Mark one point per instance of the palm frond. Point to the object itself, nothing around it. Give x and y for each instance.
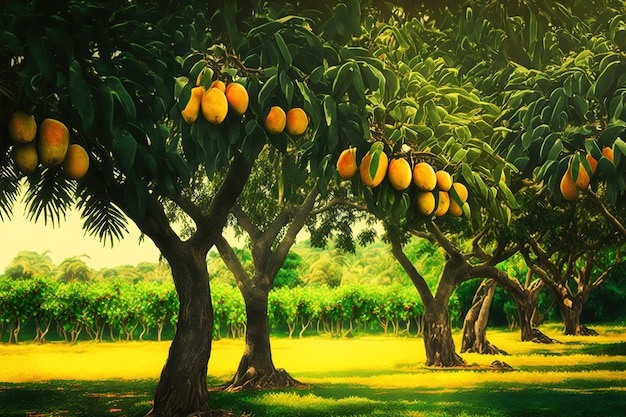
(9, 186)
(102, 218)
(49, 196)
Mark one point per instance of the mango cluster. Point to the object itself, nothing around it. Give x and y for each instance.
(215, 103)
(570, 187)
(433, 186)
(47, 144)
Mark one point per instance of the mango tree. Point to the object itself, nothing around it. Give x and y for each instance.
(433, 168)
(555, 72)
(563, 247)
(302, 74)
(103, 75)
(140, 96)
(566, 127)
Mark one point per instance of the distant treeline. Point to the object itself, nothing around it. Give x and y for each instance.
(44, 308)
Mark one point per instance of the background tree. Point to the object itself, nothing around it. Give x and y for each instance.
(566, 253)
(75, 269)
(271, 219)
(28, 264)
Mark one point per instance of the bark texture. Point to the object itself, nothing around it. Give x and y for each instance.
(526, 310)
(440, 350)
(182, 389)
(438, 342)
(474, 337)
(256, 370)
(571, 312)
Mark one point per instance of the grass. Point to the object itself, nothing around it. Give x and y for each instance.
(362, 376)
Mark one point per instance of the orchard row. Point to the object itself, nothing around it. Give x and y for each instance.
(116, 310)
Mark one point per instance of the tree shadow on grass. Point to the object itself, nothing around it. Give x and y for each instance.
(76, 398)
(600, 349)
(349, 400)
(496, 399)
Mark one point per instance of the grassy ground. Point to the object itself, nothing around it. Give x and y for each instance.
(362, 376)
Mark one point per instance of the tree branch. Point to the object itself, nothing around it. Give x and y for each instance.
(605, 211)
(211, 224)
(336, 201)
(302, 212)
(417, 278)
(233, 263)
(244, 221)
(442, 240)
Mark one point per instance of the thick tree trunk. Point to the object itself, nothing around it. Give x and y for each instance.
(475, 323)
(526, 310)
(256, 369)
(440, 350)
(182, 389)
(438, 342)
(570, 312)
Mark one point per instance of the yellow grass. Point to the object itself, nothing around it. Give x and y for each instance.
(376, 361)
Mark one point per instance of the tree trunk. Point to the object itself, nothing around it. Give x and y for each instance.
(256, 369)
(440, 350)
(438, 342)
(475, 323)
(182, 389)
(526, 310)
(570, 312)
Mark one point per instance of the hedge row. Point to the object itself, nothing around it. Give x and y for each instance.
(120, 310)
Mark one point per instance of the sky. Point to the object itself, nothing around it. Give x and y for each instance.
(68, 239)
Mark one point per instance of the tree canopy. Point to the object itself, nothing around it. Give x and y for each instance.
(501, 97)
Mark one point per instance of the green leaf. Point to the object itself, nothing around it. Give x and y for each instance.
(591, 146)
(374, 162)
(459, 155)
(318, 75)
(606, 80)
(357, 83)
(330, 110)
(105, 106)
(551, 147)
(284, 49)
(79, 95)
(433, 114)
(40, 53)
(481, 186)
(119, 93)
(267, 91)
(287, 86)
(508, 195)
(124, 150)
(620, 145)
(611, 133)
(179, 165)
(343, 80)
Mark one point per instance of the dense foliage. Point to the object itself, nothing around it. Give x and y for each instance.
(123, 310)
(126, 311)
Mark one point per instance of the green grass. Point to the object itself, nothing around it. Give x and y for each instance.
(363, 376)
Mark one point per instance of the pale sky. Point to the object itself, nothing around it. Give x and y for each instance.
(68, 240)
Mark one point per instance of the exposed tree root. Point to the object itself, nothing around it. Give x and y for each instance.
(586, 331)
(252, 380)
(537, 336)
(486, 349)
(501, 366)
(455, 362)
(494, 366)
